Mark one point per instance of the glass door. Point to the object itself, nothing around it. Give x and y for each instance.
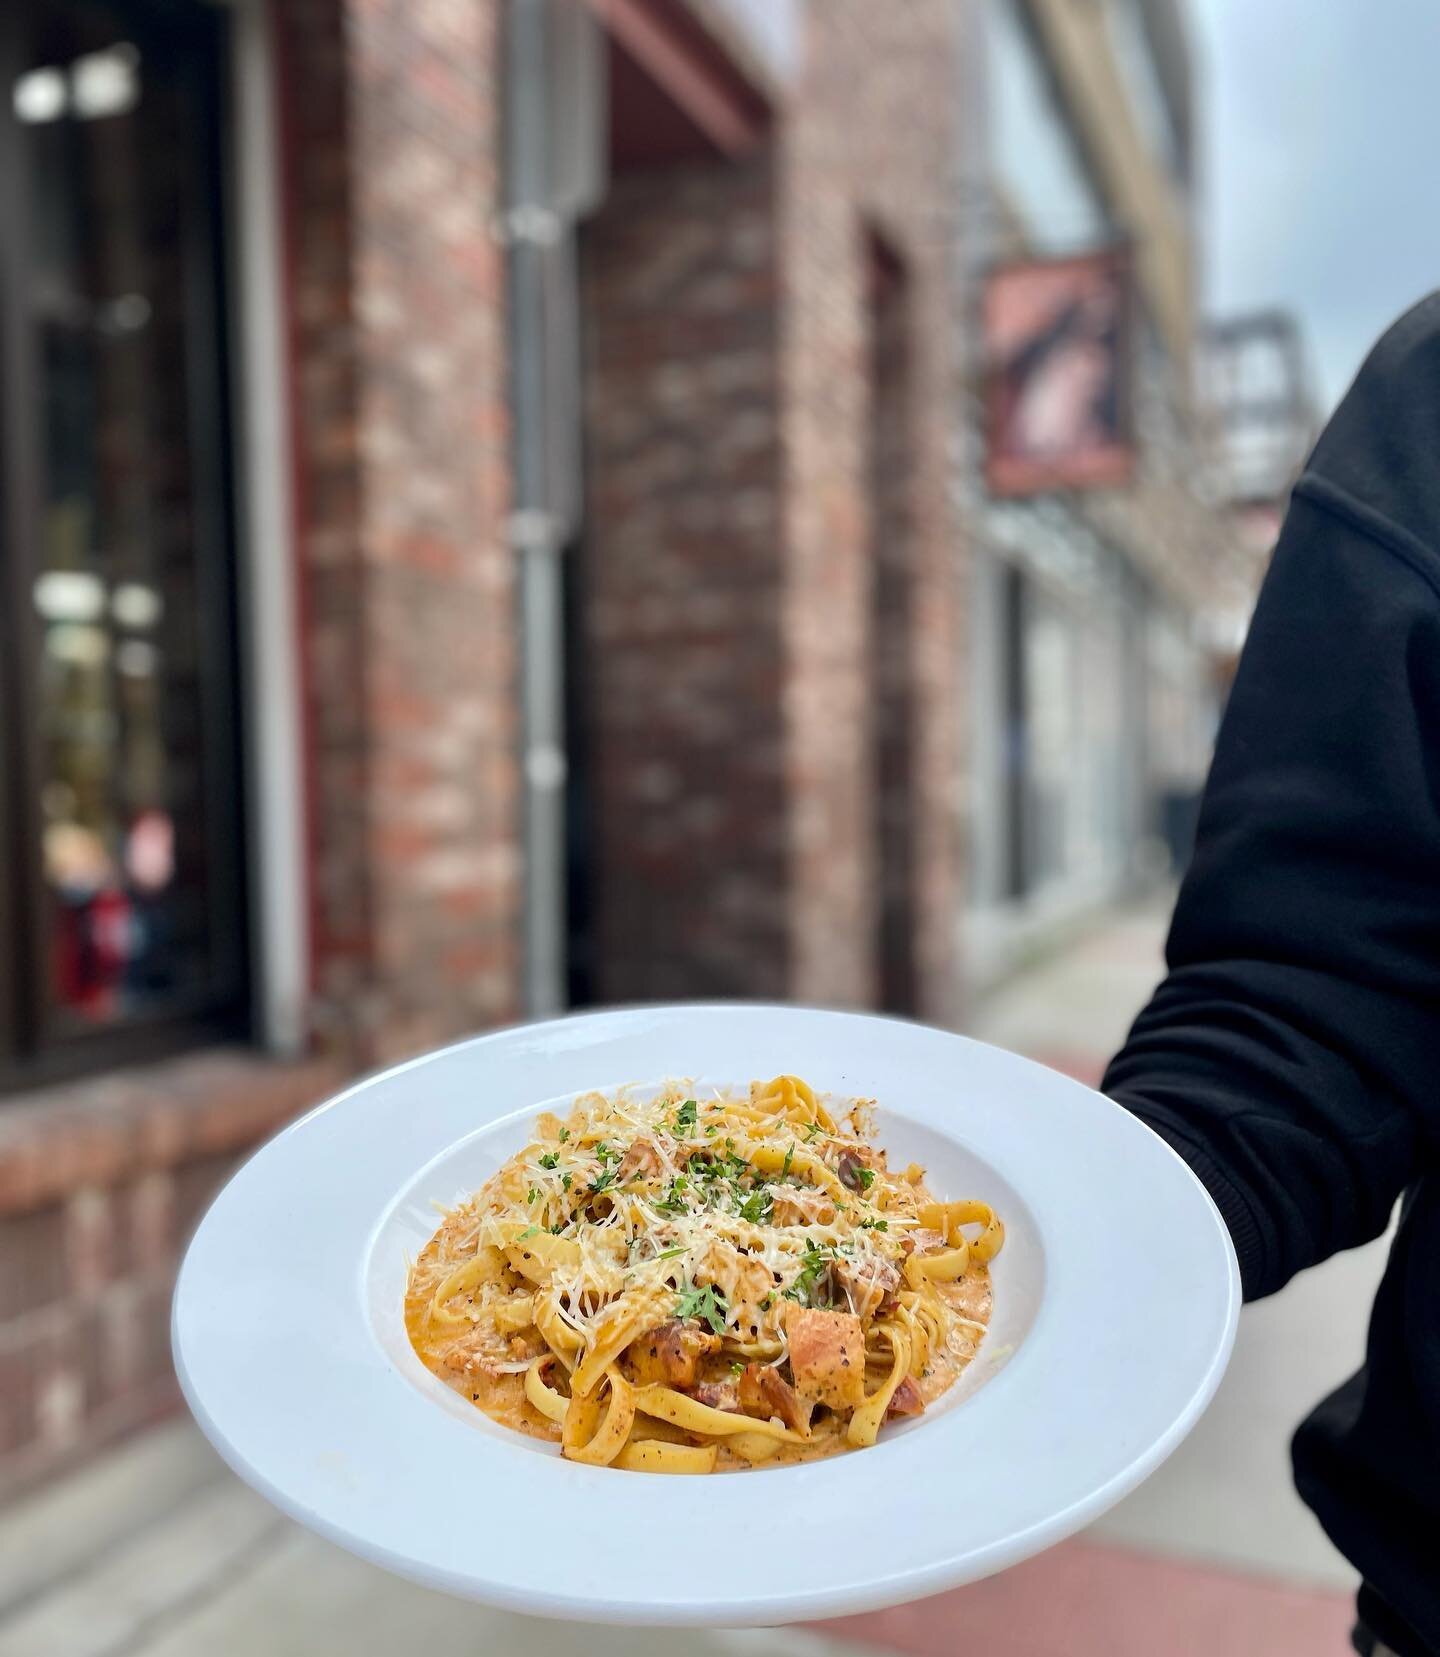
(123, 918)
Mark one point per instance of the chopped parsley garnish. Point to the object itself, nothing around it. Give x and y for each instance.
(607, 1153)
(567, 1180)
(551, 1159)
(737, 1368)
(529, 1231)
(603, 1183)
(864, 1178)
(671, 1254)
(768, 1302)
(789, 1158)
(711, 1128)
(811, 1129)
(533, 1194)
(718, 1168)
(757, 1206)
(817, 1257)
(563, 1135)
(557, 1228)
(685, 1118)
(706, 1305)
(673, 1202)
(874, 1225)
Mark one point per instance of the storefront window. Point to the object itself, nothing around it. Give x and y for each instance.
(119, 776)
(1052, 746)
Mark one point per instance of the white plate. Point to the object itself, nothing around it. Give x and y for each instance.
(1116, 1298)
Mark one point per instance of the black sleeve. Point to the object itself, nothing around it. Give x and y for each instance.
(1292, 1054)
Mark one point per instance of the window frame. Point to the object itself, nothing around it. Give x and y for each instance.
(31, 1051)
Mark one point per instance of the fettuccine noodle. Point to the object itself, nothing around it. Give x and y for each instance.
(680, 1284)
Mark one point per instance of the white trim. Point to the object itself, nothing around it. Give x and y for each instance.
(269, 623)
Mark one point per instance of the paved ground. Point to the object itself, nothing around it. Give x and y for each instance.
(157, 1551)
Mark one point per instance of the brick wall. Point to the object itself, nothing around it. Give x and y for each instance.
(101, 1184)
(402, 430)
(732, 541)
(680, 585)
(389, 150)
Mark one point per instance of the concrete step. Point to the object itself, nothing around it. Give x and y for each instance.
(308, 1599)
(60, 1529)
(116, 1602)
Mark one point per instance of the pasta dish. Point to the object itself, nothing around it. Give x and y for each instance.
(679, 1284)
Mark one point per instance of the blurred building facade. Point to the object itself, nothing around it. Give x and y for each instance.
(494, 519)
(1093, 612)
(486, 541)
(1257, 388)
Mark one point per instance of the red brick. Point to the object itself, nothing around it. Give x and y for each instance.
(150, 1214)
(94, 1241)
(119, 1346)
(99, 1183)
(32, 1261)
(403, 432)
(18, 1371)
(152, 1330)
(195, 1186)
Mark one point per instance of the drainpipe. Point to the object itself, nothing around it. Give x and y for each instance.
(536, 532)
(554, 166)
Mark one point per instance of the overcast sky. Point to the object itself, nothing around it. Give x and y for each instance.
(1321, 135)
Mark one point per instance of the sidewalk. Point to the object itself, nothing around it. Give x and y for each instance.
(156, 1551)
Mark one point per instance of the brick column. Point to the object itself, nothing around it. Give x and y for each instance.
(392, 160)
(867, 148)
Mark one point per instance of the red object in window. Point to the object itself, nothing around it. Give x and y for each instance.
(92, 945)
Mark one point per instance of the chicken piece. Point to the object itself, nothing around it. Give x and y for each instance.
(795, 1205)
(743, 1281)
(765, 1393)
(641, 1160)
(719, 1395)
(905, 1400)
(669, 1354)
(827, 1356)
(865, 1283)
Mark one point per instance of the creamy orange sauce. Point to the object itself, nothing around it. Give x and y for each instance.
(502, 1397)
